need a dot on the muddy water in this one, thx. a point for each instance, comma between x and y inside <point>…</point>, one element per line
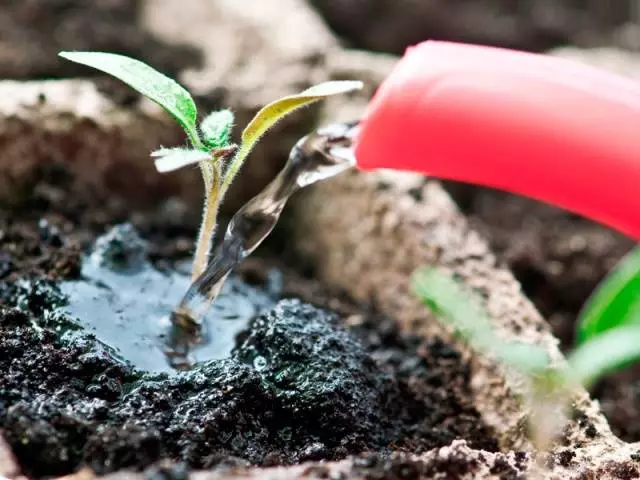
<point>125,302</point>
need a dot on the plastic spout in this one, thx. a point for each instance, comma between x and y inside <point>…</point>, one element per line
<point>530,124</point>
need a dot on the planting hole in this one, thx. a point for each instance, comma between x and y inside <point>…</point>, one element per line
<point>118,283</point>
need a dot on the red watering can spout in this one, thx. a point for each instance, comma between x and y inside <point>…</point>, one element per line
<point>530,124</point>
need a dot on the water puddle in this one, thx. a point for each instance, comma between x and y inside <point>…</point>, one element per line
<point>125,302</point>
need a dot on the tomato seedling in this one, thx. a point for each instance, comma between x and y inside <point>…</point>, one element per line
<point>211,147</point>
<point>609,330</point>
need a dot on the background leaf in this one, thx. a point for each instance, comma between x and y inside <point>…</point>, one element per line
<point>616,301</point>
<point>609,351</point>
<point>446,298</point>
<point>161,89</point>
<point>521,356</point>
<point>216,129</point>
<point>272,113</point>
<point>462,310</point>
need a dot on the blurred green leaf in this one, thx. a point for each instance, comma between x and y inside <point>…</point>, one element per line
<point>161,89</point>
<point>616,301</point>
<point>216,129</point>
<point>521,356</point>
<point>609,351</point>
<point>462,310</point>
<point>446,298</point>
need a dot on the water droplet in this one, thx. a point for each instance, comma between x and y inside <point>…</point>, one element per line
<point>260,363</point>
<point>285,434</point>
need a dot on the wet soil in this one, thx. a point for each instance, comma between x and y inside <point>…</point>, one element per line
<point>316,377</point>
<point>559,258</point>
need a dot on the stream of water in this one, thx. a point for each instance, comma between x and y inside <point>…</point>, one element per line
<point>318,156</point>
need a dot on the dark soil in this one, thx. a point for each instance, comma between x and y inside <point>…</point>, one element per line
<point>392,25</point>
<point>32,32</point>
<point>46,233</point>
<point>303,384</point>
<point>559,258</point>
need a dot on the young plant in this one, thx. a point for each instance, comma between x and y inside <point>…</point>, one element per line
<point>609,329</point>
<point>210,141</point>
<point>460,309</point>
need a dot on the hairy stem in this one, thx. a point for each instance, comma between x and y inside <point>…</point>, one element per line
<point>209,219</point>
<point>205,167</point>
<point>237,161</point>
<point>211,173</point>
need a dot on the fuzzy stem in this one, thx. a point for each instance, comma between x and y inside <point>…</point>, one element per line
<point>237,161</point>
<point>211,177</point>
<point>208,225</point>
<point>205,168</point>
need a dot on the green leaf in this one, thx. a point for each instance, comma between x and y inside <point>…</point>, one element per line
<point>271,114</point>
<point>616,301</point>
<point>522,356</point>
<point>168,159</point>
<point>216,129</point>
<point>161,89</point>
<point>462,310</point>
<point>609,351</point>
<point>445,297</point>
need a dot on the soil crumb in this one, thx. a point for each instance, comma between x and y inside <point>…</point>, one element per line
<point>452,462</point>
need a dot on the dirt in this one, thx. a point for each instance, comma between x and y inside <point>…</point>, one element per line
<point>559,258</point>
<point>32,32</point>
<point>383,467</point>
<point>67,402</point>
<point>623,471</point>
<point>392,25</point>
